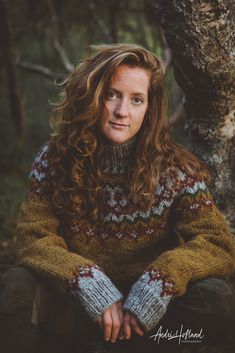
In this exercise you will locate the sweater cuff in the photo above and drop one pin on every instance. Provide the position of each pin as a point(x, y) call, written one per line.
point(94, 290)
point(149, 298)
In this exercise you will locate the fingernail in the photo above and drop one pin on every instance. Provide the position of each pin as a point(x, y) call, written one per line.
point(121, 338)
point(106, 338)
point(127, 337)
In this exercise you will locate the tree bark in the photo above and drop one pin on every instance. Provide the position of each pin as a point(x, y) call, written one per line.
point(201, 35)
point(16, 99)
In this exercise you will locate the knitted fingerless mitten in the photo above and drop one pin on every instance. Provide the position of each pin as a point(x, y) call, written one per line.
point(94, 290)
point(149, 298)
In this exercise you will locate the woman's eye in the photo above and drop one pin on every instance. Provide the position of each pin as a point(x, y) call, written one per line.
point(137, 100)
point(111, 95)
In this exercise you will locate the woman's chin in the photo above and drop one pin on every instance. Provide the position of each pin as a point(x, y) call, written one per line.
point(117, 139)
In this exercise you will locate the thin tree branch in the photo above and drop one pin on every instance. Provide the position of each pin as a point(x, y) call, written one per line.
point(142, 29)
point(166, 49)
point(114, 8)
point(178, 115)
point(56, 38)
point(104, 30)
point(40, 69)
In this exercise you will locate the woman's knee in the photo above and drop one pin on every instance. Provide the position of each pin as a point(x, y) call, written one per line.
point(210, 297)
point(18, 286)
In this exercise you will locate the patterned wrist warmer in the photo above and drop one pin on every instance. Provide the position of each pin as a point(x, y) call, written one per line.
point(94, 290)
point(149, 297)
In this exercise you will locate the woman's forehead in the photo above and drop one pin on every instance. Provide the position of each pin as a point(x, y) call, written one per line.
point(130, 77)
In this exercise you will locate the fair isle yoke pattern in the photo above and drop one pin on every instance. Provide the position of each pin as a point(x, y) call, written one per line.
point(165, 194)
point(117, 208)
point(40, 165)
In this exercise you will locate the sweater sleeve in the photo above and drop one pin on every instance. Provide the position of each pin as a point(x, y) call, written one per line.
point(207, 250)
point(41, 248)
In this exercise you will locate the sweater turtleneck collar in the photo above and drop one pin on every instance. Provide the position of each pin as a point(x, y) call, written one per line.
point(116, 158)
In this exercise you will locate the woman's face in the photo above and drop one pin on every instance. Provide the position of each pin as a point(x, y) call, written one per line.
point(125, 103)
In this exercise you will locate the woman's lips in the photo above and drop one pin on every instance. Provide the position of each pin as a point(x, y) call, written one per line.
point(117, 125)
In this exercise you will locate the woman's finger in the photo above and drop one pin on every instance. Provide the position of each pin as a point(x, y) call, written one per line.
point(126, 325)
point(120, 310)
point(121, 315)
point(116, 323)
point(135, 326)
point(121, 333)
point(107, 324)
point(99, 321)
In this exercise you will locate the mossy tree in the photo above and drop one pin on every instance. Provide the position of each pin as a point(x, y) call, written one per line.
point(201, 35)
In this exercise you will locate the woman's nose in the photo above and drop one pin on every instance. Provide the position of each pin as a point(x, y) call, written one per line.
point(122, 108)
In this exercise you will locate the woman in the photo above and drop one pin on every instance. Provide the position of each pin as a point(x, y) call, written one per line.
point(117, 215)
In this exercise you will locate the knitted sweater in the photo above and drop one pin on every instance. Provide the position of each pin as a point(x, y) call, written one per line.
point(144, 257)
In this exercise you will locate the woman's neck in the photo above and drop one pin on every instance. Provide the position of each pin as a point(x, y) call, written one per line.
point(116, 158)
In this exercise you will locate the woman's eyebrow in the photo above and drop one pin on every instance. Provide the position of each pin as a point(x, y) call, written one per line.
point(133, 93)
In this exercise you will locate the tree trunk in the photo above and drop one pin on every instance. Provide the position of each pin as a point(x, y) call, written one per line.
point(200, 34)
point(16, 100)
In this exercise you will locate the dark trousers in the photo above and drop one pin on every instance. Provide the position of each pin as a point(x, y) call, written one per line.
point(208, 306)
point(205, 313)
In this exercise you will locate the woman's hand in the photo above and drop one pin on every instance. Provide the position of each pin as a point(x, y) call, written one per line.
point(130, 323)
point(111, 322)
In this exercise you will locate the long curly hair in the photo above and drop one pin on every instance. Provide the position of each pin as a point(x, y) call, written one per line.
point(75, 147)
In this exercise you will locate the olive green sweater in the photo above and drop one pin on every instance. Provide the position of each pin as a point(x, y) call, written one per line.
point(145, 257)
